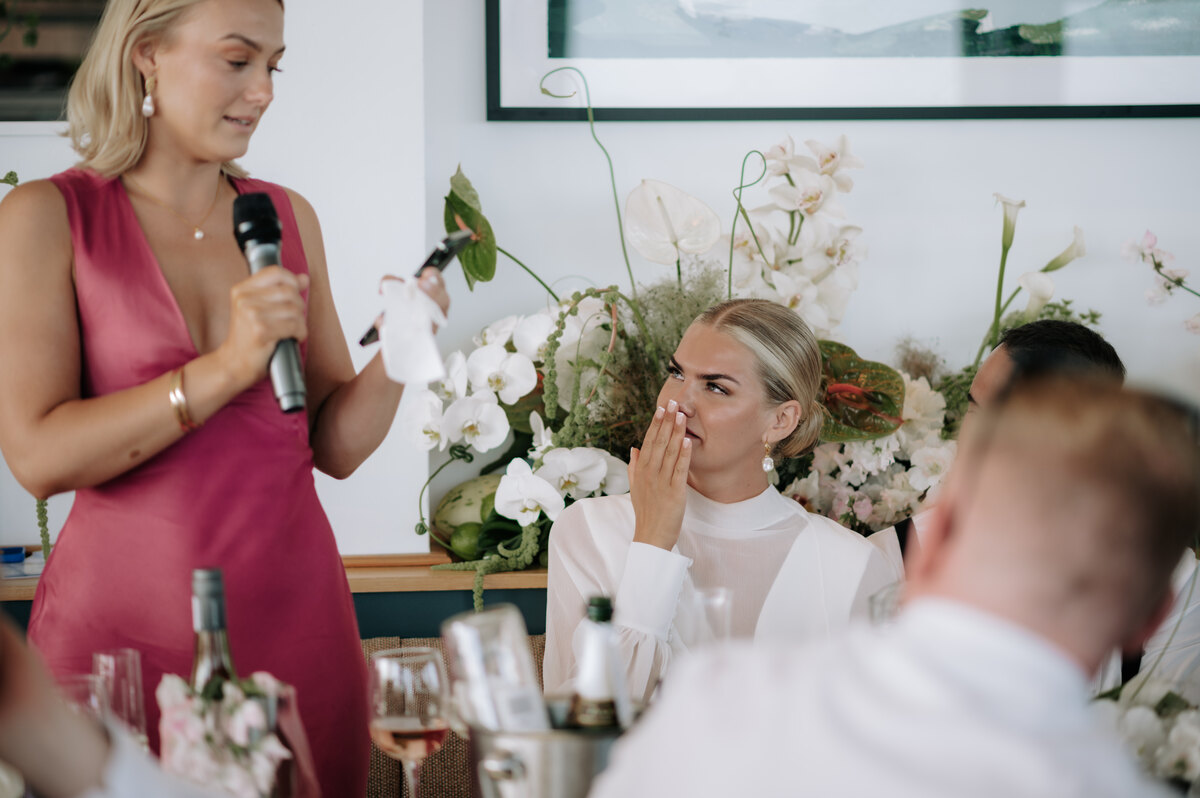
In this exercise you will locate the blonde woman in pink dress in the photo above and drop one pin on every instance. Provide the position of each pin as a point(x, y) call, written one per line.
point(134, 347)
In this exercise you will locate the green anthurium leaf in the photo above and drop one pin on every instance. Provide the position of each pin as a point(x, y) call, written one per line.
point(863, 398)
point(478, 258)
point(460, 185)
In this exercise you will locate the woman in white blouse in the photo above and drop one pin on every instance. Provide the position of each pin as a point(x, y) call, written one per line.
point(743, 386)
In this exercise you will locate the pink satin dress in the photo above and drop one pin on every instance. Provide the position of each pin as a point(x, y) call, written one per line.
point(235, 494)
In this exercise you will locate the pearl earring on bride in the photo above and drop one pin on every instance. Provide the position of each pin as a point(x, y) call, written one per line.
point(768, 462)
point(148, 101)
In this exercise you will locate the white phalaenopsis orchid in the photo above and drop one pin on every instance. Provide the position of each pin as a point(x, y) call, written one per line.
point(832, 160)
point(543, 439)
point(422, 420)
point(812, 194)
point(532, 334)
point(1040, 288)
point(574, 472)
point(801, 295)
point(523, 496)
point(616, 476)
point(454, 384)
point(662, 222)
point(510, 375)
point(478, 420)
point(498, 332)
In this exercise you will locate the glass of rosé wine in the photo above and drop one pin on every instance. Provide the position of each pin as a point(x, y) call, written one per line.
point(409, 707)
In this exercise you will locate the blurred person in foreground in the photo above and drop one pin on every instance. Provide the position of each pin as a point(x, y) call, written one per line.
point(980, 686)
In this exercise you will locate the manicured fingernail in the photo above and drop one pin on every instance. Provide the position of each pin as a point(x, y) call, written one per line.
point(679, 418)
point(672, 405)
point(659, 413)
point(687, 443)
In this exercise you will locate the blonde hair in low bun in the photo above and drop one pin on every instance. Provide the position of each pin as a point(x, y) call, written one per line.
point(788, 359)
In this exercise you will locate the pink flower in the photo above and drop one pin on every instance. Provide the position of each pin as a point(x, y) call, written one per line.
point(863, 508)
point(1192, 325)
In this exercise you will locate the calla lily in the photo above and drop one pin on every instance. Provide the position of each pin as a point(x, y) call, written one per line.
point(1075, 250)
point(832, 160)
point(574, 472)
point(511, 375)
point(1040, 288)
point(477, 420)
point(454, 384)
point(1011, 207)
point(812, 193)
point(523, 496)
point(531, 335)
point(423, 420)
point(661, 222)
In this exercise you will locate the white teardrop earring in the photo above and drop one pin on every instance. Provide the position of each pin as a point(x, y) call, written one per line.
point(768, 462)
point(148, 100)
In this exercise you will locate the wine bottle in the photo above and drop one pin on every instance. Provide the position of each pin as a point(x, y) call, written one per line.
point(599, 700)
point(212, 663)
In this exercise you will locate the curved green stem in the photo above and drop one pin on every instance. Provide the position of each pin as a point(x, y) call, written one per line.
point(458, 452)
point(612, 177)
point(741, 211)
point(530, 271)
point(1175, 281)
point(994, 330)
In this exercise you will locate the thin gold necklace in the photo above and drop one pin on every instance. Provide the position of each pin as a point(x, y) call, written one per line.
point(197, 233)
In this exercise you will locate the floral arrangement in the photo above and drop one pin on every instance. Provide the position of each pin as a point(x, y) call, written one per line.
point(573, 384)
point(223, 736)
point(1166, 280)
point(1160, 727)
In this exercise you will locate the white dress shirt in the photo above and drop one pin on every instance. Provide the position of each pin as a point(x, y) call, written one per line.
point(946, 702)
point(794, 576)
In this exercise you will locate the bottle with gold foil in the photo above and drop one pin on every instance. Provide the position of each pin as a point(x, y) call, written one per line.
point(212, 660)
point(599, 700)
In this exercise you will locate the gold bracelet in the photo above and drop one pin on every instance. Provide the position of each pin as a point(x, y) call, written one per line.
point(179, 402)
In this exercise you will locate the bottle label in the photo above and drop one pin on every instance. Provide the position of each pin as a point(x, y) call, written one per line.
point(588, 714)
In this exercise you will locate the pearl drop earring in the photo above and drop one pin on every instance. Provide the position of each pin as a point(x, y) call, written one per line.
point(148, 100)
point(768, 462)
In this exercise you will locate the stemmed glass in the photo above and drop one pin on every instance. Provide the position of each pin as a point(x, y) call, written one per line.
point(86, 694)
point(120, 670)
point(409, 707)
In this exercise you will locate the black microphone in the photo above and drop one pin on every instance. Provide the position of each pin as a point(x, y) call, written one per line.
point(258, 232)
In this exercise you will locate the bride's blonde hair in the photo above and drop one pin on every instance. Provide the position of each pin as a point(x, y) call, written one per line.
point(788, 358)
point(104, 116)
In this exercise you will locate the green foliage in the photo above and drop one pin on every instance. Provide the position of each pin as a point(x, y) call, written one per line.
point(863, 398)
point(955, 387)
point(478, 258)
point(10, 178)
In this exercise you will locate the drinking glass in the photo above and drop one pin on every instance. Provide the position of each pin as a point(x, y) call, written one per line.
point(493, 683)
point(409, 707)
point(120, 670)
point(706, 617)
point(86, 693)
point(883, 604)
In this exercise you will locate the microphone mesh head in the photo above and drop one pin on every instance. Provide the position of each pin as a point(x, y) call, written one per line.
point(255, 219)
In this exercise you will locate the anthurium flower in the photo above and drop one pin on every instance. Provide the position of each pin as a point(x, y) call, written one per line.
point(832, 160)
point(510, 375)
point(1011, 207)
point(423, 420)
point(454, 384)
point(811, 194)
point(661, 222)
point(523, 496)
point(477, 420)
point(1040, 288)
point(574, 472)
point(531, 335)
point(1075, 250)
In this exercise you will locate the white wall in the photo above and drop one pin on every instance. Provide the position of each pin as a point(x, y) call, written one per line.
point(924, 201)
point(345, 130)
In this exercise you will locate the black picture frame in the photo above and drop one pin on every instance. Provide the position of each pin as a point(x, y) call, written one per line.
point(567, 112)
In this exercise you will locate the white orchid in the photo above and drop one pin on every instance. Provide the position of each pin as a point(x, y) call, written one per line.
point(498, 332)
point(929, 465)
point(801, 295)
point(510, 375)
point(616, 475)
point(782, 159)
point(811, 194)
point(523, 496)
point(1040, 288)
point(454, 384)
point(543, 439)
point(832, 160)
point(531, 336)
point(824, 247)
point(423, 419)
point(661, 222)
point(574, 472)
point(1074, 250)
point(478, 420)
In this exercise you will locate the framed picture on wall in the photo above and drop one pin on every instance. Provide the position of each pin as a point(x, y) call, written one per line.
point(851, 59)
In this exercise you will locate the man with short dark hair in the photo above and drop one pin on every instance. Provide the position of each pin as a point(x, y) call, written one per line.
point(980, 686)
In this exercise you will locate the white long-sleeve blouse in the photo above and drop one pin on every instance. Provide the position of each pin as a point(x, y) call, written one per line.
point(793, 575)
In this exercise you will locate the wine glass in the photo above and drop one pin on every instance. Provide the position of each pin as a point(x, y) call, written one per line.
point(86, 694)
point(706, 617)
point(883, 604)
point(409, 707)
point(121, 671)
